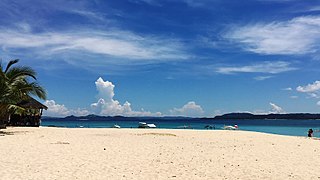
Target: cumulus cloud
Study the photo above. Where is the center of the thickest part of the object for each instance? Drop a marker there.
(264, 67)
(107, 105)
(299, 35)
(310, 88)
(55, 109)
(276, 109)
(190, 109)
(58, 110)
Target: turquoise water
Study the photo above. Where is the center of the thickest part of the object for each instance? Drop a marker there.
(283, 127)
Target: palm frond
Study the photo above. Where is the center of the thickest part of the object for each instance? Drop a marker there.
(14, 109)
(19, 72)
(12, 62)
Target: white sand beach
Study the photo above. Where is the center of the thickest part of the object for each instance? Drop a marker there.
(61, 153)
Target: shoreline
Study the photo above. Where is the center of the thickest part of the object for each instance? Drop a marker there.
(108, 153)
(217, 129)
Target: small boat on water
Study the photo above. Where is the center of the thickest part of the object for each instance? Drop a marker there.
(145, 125)
(235, 127)
(116, 126)
(184, 127)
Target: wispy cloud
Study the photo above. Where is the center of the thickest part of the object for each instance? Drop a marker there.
(299, 35)
(287, 89)
(261, 78)
(150, 2)
(190, 3)
(264, 67)
(276, 109)
(111, 44)
(314, 8)
(88, 14)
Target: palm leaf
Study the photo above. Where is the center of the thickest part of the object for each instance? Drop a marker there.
(12, 62)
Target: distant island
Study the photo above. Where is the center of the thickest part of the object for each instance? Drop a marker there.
(268, 116)
(230, 116)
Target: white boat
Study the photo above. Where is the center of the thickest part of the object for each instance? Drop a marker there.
(116, 126)
(230, 127)
(151, 125)
(145, 125)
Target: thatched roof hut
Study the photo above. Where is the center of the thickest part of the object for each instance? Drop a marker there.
(31, 103)
(32, 117)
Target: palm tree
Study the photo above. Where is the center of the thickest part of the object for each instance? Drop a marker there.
(17, 84)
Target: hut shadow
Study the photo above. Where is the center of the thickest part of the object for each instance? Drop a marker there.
(3, 133)
(6, 133)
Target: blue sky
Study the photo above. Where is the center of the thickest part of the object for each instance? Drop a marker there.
(168, 57)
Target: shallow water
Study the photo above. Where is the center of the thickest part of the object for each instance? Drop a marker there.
(283, 127)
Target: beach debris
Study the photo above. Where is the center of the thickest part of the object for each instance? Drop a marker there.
(60, 142)
(156, 134)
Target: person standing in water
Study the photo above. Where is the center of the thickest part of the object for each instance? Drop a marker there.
(310, 133)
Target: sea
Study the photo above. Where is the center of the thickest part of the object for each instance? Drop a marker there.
(274, 126)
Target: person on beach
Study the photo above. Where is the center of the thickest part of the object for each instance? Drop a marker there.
(310, 133)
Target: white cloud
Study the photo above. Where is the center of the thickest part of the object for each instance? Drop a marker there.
(261, 78)
(314, 8)
(310, 88)
(276, 109)
(264, 67)
(314, 95)
(57, 110)
(86, 13)
(149, 2)
(107, 105)
(110, 44)
(296, 36)
(190, 3)
(191, 109)
(318, 103)
(287, 89)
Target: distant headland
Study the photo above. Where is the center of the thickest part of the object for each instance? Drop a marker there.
(268, 116)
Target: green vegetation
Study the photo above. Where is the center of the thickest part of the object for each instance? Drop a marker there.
(17, 83)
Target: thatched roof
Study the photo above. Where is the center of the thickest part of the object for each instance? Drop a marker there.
(32, 104)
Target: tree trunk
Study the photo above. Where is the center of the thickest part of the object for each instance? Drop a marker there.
(3, 122)
(4, 116)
